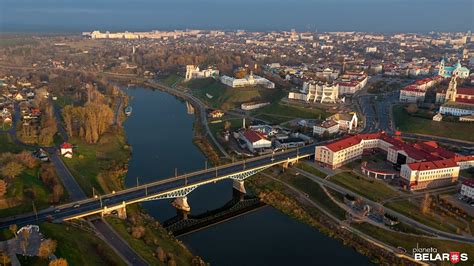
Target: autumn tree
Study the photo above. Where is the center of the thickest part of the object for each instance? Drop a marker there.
(412, 108)
(27, 159)
(3, 187)
(47, 248)
(13, 228)
(12, 169)
(4, 258)
(425, 204)
(58, 262)
(160, 254)
(138, 231)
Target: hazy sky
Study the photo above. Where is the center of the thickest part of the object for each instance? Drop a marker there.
(323, 15)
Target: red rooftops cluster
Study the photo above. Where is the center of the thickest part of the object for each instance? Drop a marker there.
(423, 84)
(438, 164)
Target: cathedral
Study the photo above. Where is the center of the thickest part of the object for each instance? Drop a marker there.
(449, 71)
(456, 101)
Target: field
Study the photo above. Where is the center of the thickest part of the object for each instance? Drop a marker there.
(374, 190)
(224, 97)
(279, 112)
(411, 124)
(310, 169)
(79, 247)
(92, 162)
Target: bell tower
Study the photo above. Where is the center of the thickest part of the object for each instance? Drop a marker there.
(452, 90)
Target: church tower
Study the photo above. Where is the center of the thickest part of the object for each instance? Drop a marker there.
(451, 92)
(189, 72)
(441, 71)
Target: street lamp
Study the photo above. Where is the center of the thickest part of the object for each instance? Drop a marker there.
(137, 181)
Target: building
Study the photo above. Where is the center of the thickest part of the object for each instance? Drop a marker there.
(346, 121)
(422, 164)
(255, 140)
(316, 92)
(467, 189)
(289, 143)
(193, 72)
(422, 175)
(352, 82)
(456, 101)
(253, 105)
(455, 70)
(66, 150)
(216, 114)
(330, 126)
(248, 81)
(410, 94)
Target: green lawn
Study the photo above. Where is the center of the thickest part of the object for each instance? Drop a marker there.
(90, 160)
(411, 124)
(280, 112)
(315, 193)
(310, 169)
(171, 80)
(26, 188)
(413, 211)
(7, 145)
(224, 97)
(372, 189)
(79, 247)
(410, 242)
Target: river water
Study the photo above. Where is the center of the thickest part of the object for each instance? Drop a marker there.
(160, 132)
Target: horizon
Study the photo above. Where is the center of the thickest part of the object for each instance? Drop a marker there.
(391, 16)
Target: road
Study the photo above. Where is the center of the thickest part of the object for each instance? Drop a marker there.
(401, 217)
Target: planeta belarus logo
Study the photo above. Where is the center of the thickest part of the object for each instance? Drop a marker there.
(454, 257)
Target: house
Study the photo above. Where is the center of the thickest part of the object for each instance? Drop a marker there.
(329, 126)
(66, 150)
(255, 140)
(346, 121)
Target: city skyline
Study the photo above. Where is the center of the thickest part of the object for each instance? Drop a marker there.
(267, 15)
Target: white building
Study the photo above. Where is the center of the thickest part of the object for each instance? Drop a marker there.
(193, 72)
(467, 189)
(255, 140)
(253, 105)
(66, 150)
(329, 126)
(422, 175)
(249, 81)
(346, 121)
(410, 94)
(313, 92)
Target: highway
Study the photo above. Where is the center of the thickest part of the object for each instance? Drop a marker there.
(146, 191)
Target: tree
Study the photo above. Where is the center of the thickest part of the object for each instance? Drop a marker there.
(12, 169)
(425, 204)
(27, 159)
(13, 228)
(47, 248)
(412, 108)
(25, 237)
(58, 192)
(4, 258)
(227, 125)
(3, 187)
(58, 262)
(160, 254)
(138, 231)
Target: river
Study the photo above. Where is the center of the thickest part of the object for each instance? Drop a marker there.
(160, 132)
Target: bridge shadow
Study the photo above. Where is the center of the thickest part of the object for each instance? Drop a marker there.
(185, 223)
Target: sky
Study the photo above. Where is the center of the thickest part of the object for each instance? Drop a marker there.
(259, 15)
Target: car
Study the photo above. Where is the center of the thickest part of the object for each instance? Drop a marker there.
(57, 210)
(76, 205)
(106, 200)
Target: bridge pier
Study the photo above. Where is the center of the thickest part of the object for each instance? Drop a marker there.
(181, 203)
(120, 211)
(239, 185)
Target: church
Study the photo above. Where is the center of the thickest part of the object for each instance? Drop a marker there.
(449, 71)
(456, 101)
